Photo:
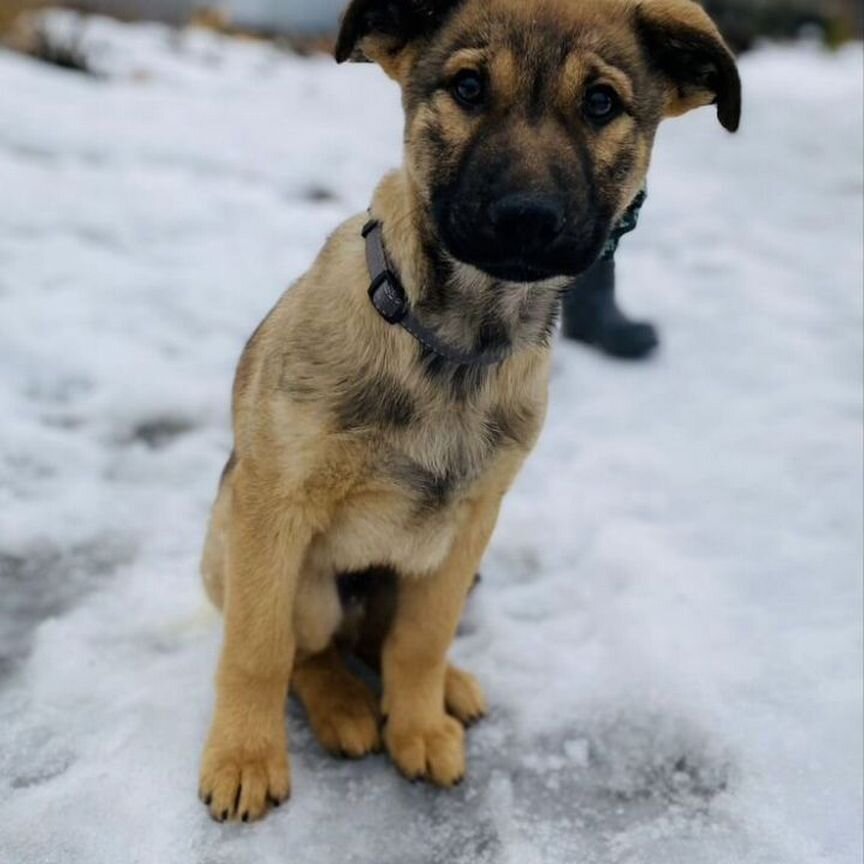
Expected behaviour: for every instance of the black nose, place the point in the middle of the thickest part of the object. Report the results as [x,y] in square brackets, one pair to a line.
[526,223]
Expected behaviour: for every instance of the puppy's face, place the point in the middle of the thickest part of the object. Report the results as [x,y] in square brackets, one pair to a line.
[530,122]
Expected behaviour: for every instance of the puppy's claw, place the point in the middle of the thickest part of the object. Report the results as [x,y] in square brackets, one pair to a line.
[237,785]
[435,752]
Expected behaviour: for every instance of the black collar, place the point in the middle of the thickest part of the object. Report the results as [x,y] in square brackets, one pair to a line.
[391,302]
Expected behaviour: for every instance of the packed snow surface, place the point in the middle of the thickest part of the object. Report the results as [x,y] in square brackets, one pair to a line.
[669,626]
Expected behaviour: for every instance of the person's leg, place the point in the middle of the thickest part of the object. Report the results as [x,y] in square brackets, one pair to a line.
[591,315]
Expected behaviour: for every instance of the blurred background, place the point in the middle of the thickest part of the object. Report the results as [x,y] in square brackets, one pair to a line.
[669,627]
[312,22]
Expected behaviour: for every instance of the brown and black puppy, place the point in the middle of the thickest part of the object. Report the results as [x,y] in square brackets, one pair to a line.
[364,457]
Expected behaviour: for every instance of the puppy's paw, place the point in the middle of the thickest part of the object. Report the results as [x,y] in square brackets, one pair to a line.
[463,696]
[434,751]
[241,782]
[346,722]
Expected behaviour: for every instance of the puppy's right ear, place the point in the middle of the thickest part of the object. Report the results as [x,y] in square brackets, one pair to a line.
[687,48]
[380,30]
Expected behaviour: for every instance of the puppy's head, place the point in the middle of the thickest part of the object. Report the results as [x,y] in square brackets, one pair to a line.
[530,122]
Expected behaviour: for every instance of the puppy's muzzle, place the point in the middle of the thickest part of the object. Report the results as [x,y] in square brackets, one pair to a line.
[521,236]
[522,224]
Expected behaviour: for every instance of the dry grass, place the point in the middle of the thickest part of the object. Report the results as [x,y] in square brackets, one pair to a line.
[64,53]
[213,19]
[11,10]
[22,29]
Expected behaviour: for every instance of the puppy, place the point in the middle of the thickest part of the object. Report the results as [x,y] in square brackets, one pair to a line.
[384,407]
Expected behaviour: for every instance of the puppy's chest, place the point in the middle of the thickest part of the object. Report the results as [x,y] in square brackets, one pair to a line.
[408,511]
[437,463]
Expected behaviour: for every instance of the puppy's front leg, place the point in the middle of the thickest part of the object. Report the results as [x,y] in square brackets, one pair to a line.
[423,740]
[245,765]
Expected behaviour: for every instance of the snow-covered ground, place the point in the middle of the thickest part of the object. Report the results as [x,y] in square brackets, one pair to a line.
[669,628]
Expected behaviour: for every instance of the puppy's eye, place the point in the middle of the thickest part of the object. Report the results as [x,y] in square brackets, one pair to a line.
[601,104]
[469,88]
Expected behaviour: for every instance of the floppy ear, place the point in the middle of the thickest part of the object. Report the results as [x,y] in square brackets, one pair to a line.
[685,45]
[379,30]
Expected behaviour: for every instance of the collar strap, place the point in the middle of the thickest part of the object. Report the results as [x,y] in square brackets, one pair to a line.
[391,302]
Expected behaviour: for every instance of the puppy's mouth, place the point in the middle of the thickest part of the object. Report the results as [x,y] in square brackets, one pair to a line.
[516,270]
[536,242]
[564,260]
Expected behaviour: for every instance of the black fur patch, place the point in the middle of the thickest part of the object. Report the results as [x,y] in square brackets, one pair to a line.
[493,333]
[298,387]
[463,382]
[509,426]
[433,491]
[377,401]
[357,587]
[436,297]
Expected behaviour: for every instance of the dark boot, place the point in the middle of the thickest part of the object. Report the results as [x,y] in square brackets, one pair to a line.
[591,315]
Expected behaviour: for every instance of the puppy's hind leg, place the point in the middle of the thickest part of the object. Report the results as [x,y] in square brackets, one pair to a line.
[342,710]
[463,696]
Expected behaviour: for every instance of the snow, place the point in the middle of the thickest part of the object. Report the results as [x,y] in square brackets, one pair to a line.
[669,627]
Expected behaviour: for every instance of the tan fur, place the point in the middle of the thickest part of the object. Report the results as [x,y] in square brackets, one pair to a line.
[313,491]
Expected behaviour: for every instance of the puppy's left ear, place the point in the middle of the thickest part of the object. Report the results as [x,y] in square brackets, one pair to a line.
[685,45]
[380,30]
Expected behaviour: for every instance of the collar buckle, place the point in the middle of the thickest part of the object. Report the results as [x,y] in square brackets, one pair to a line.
[388,297]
